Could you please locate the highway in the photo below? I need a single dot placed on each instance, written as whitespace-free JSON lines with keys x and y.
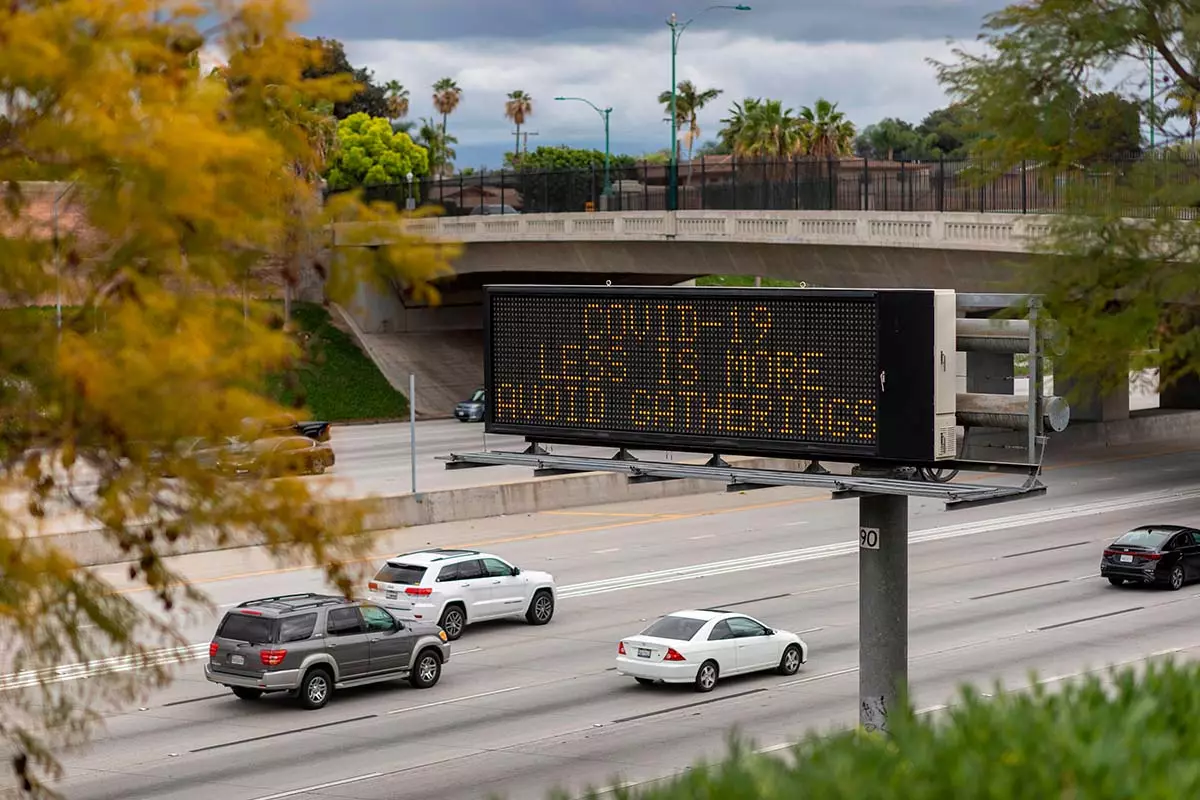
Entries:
{"x":995,"y":592}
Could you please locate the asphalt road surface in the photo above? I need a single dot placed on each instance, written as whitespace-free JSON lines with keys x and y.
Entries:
{"x":994,"y":592}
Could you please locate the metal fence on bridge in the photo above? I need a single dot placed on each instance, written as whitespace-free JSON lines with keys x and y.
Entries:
{"x":722,"y":183}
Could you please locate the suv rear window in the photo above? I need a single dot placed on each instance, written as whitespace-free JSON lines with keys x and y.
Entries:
{"x":681,"y":628}
{"x":407,"y":574}
{"x":245,"y":628}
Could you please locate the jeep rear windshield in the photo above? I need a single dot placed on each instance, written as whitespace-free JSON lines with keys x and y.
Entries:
{"x":246,"y":628}
{"x":406,"y":574}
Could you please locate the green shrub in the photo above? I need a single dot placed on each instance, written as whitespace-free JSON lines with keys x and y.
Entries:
{"x":1124,"y":738}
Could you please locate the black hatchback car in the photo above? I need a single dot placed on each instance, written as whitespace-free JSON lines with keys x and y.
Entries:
{"x":1159,"y":554}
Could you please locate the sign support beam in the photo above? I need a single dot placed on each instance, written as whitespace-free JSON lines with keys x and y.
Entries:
{"x":882,"y":607}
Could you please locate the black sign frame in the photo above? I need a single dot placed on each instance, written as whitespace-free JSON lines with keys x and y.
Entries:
{"x":905,"y":408}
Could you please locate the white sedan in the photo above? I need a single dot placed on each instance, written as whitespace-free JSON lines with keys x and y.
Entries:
{"x":702,"y":646}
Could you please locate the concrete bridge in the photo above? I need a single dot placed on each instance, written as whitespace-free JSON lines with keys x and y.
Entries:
{"x":442,"y":345}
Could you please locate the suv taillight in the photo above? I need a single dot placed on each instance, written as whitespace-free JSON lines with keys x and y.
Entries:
{"x":212,"y":649}
{"x":420,"y":591}
{"x":620,"y":648}
{"x":373,"y":586}
{"x":673,"y":655}
{"x":272,"y":658}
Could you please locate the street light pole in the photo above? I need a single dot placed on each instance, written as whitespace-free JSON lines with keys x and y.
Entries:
{"x":604,"y":114}
{"x":677,"y":31}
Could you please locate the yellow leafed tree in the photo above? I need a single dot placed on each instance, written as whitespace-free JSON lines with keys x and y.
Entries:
{"x":184,"y":179}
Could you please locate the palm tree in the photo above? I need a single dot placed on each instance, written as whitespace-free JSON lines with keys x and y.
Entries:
{"x":518,"y":107}
{"x":397,"y":100}
{"x":769,"y":131}
{"x":827,"y":132}
{"x":688,"y":103}
{"x":446,"y":96}
{"x":1187,"y":105}
{"x":736,"y":121}
{"x":430,"y":136}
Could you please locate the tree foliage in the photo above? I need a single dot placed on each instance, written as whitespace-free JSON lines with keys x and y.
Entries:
{"x":1116,"y":288}
{"x":181,"y":185}
{"x":370,"y":154}
{"x":1124,"y":737}
{"x":767,"y":129}
{"x":894,"y":138}
{"x":369,"y":97}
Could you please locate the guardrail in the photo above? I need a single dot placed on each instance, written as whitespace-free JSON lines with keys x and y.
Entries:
{"x":937,"y":231}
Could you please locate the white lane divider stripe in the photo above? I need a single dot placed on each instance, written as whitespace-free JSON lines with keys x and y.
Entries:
{"x":330,"y":785}
{"x":199,"y":650}
{"x":453,"y":700}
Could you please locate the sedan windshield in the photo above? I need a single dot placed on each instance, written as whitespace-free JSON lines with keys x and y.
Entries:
{"x":680,"y":628}
{"x":1152,"y":538}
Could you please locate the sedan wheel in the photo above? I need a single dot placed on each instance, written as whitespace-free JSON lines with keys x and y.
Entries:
{"x":706,"y":677}
{"x":1176,"y":579}
{"x":790,"y":663}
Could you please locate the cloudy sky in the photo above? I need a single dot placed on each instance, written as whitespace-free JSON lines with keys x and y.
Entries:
{"x":868,"y":55}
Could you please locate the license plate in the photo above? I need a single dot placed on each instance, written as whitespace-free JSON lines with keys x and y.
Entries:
{"x":390,"y":595}
{"x":1127,"y":559}
{"x":237,"y":660}
{"x":643,"y":652}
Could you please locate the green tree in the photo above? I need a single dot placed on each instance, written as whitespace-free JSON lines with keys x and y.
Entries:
{"x":370,"y":154}
{"x":768,"y":130}
{"x":731,"y":131}
{"x":689,"y":102}
{"x":447,"y":95}
{"x":183,"y":186}
{"x":1029,"y":745}
{"x":892,"y":137}
{"x":518,"y":107}
{"x":1123,"y":293}
{"x":826,"y":131}
{"x":561,"y":178}
{"x":951,"y":129}
{"x":1186,"y":106}
{"x":368,"y":98}
{"x":439,"y":144}
{"x":397,"y":100}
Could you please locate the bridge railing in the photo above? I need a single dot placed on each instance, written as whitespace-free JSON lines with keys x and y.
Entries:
{"x":723,"y":183}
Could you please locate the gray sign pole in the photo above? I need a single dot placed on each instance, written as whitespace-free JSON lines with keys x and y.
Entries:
{"x":412,"y":427}
{"x":882,"y":606}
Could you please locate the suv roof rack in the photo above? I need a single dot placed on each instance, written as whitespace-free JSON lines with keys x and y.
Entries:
{"x":442,"y":553}
{"x":300,"y":600}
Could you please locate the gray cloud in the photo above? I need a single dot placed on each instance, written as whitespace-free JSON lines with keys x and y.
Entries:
{"x":812,"y":21}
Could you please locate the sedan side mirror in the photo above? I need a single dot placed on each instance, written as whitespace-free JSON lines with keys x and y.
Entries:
{"x":770,"y":632}
{"x":516,"y":570}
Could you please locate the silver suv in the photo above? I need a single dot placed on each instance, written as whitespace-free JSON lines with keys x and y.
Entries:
{"x":308,"y":645}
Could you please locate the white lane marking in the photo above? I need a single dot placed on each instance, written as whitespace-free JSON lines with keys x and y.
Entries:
{"x":454,"y":700}
{"x":647,"y":579}
{"x":845,"y":548}
{"x":465,"y":652}
{"x":794,"y":524}
{"x":1167,"y":652}
{"x":820,"y":677}
{"x":810,"y":630}
{"x":609,"y":550}
{"x":775,"y":748}
{"x":330,"y":785}
{"x":930,"y":709}
{"x":704,"y":536}
{"x":27,"y":679}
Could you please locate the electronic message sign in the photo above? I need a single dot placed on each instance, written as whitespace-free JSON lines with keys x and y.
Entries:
{"x":804,"y":373}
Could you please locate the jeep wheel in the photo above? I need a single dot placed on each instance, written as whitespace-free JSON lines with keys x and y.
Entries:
{"x":316,"y":688}
{"x":453,"y":621}
{"x":541,"y":609}
{"x":244,"y":693}
{"x":427,"y":670}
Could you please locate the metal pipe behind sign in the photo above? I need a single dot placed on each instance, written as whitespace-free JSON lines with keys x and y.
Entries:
{"x":412,"y":427}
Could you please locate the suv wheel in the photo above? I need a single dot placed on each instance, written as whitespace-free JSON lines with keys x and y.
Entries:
{"x":244,"y":693}
{"x":316,"y":688}
{"x":541,"y":610}
{"x":453,"y":621}
{"x":427,"y":670}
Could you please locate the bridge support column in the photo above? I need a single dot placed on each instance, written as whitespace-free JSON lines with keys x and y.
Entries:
{"x":1090,"y":405}
{"x":1183,"y":393}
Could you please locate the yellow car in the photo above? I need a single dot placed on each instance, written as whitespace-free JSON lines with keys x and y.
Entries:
{"x":277,"y":456}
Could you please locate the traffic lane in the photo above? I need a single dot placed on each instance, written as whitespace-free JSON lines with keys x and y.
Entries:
{"x":602,"y":535}
{"x":1028,"y":549}
{"x":591,"y":743}
{"x":568,"y":654}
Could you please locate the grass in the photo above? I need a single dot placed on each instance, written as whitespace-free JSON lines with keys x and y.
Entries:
{"x":339,"y":382}
{"x":742,"y":280}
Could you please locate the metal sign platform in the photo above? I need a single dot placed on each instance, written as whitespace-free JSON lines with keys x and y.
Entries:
{"x":955,"y":495}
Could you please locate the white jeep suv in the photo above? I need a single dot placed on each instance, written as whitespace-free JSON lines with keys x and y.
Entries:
{"x":458,"y":587}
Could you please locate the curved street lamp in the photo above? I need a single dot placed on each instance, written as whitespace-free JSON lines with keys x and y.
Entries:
{"x":676,"y":31}
{"x":603,"y":112}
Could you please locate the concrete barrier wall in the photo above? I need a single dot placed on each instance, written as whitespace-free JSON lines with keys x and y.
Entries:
{"x":90,"y":548}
